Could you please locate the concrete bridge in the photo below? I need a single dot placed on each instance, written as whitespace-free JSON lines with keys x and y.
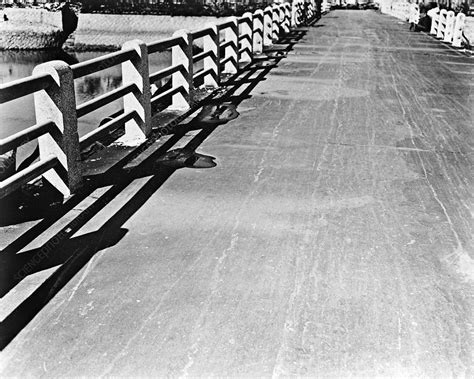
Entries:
{"x":331,"y":234}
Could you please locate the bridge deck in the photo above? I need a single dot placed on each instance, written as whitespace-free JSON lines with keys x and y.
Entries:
{"x":332,"y":238}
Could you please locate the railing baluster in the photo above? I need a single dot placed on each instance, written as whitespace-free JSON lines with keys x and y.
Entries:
{"x":183,"y":54}
{"x":448,"y":33}
{"x":231,"y":51}
{"x":281,"y":16}
{"x":135,"y":71}
{"x":287,"y":10}
{"x":247,"y":40}
{"x":275,"y":22}
{"x":212,"y":62}
{"x":58,"y":104}
{"x":258,"y":32}
{"x":458,"y":29}
{"x":268,"y":26}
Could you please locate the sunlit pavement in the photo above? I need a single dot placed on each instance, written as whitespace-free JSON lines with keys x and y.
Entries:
{"x":333,"y":238}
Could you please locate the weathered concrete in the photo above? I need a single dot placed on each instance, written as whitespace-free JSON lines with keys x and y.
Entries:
{"x":332,"y":239}
{"x":55,"y":104}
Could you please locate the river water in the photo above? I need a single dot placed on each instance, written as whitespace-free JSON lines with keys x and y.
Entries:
{"x":19,"y":114}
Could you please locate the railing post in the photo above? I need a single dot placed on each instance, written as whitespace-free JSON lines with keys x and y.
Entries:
{"x":441,"y":23}
{"x":282,"y":14}
{"x":325,"y":6}
{"x":258,"y":32}
{"x":231,"y":52}
{"x":434,"y":23}
{"x":247,"y":40}
{"x":275,"y":22}
{"x":295,"y":13}
{"x":211,"y":43}
{"x":58,"y":104}
{"x":458,"y":29}
{"x":182,"y":54}
{"x":448,"y":32}
{"x":267,"y":26}
{"x":287,"y":11}
{"x":136,"y":71}
{"x":309,"y":9}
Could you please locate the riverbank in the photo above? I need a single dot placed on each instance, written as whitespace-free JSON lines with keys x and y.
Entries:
{"x":31,"y":37}
{"x":94,"y":31}
{"x":30,"y":29}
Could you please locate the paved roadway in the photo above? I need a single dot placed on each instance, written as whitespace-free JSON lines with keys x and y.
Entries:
{"x":333,"y":238}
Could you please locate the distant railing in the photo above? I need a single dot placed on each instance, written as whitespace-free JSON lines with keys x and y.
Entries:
{"x":238,"y":39}
{"x":445,"y":25}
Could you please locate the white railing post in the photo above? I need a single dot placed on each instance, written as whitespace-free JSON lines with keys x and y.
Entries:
{"x":275,"y":22}
{"x":434,"y":22}
{"x":458,"y":29}
{"x":287,"y":13}
{"x":325,"y":7}
{"x":231,"y":52}
{"x":211,"y":44}
{"x":281,"y":19}
{"x":58,"y":104}
{"x":267,"y":26}
{"x":136,"y":71}
{"x":309,"y":10}
{"x":258,"y":29}
{"x":448,"y":32}
{"x":441,"y":23}
{"x":284,"y":27}
{"x":296,"y":14}
{"x":247,"y":41}
{"x":182,"y":54}
{"x":293,"y":22}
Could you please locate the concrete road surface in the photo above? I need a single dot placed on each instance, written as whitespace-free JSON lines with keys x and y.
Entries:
{"x":332,"y":239}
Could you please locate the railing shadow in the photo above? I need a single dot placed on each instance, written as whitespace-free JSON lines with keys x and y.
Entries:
{"x":72,"y":253}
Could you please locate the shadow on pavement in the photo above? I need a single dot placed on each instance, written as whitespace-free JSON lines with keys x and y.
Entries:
{"x":71,"y":253}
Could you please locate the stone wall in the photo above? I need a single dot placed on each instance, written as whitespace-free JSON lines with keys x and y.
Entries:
{"x":33,"y":16}
{"x":30,"y":39}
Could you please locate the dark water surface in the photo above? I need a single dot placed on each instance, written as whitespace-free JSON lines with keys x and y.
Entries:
{"x":19,"y":114}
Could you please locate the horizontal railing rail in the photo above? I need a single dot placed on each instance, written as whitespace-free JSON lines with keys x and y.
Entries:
{"x":164,"y":44}
{"x":107,"y":98}
{"x":23,"y":137}
{"x":101,"y":63}
{"x":167,"y":94}
{"x":106,"y":128}
{"x":166,"y":72}
{"x":17,"y":180}
{"x":23,"y":87}
{"x":226,"y":47}
{"x":199,"y":57}
{"x":202,"y":33}
{"x":224,"y":25}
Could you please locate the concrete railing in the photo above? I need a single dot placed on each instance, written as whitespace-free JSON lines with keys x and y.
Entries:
{"x":238,"y":39}
{"x":325,"y":6}
{"x":443,"y":17}
{"x":445,"y":25}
